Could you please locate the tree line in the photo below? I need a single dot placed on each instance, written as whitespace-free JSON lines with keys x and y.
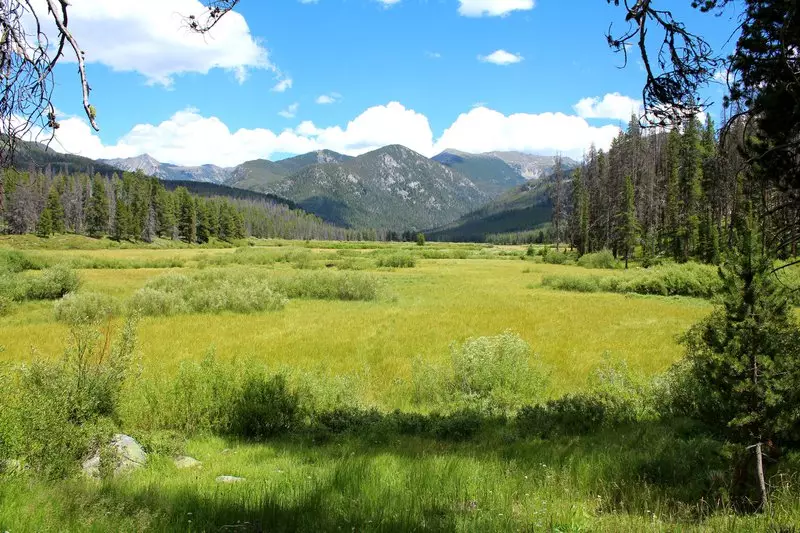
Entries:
{"x":671,"y":194}
{"x":131,"y":206}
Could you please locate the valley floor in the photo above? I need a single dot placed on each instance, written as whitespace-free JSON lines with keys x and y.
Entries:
{"x":643,"y":476}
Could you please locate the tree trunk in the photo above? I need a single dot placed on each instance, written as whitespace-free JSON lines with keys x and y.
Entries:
{"x":762,"y":485}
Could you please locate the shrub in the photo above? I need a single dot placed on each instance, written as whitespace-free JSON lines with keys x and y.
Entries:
{"x":495,"y":370}
{"x":420,"y":239}
{"x":572,"y":283}
{"x":6,"y":305}
{"x":577,"y":414}
{"x":556,"y":258}
{"x":346,"y":286}
{"x":444,"y":254}
{"x":58,"y":410}
{"x":51,"y":284}
{"x":84,"y":308}
{"x":265,"y":408}
{"x":15,"y":261}
{"x":397,"y":261}
{"x":603,"y":259}
{"x":688,"y":279}
{"x":458,"y":426}
{"x":207,"y":292}
{"x":152,"y":302}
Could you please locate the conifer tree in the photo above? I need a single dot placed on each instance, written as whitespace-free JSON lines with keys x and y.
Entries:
{"x":187,"y":215}
{"x":56,"y":211}
{"x":630,"y":224}
{"x":97,"y":213}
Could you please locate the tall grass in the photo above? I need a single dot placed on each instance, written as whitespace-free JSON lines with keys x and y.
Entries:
{"x":398,"y":260}
{"x":689,"y":279}
{"x":210,"y":291}
{"x":328,"y":285}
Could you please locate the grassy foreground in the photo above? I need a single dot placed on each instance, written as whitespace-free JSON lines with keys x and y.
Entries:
{"x":640,"y":476}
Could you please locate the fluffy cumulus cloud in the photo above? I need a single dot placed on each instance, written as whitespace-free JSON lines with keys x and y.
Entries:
{"x":190,"y":138}
{"x":150,"y":37}
{"x":501,"y":57}
{"x":492,"y":8}
{"x":611,"y":106}
{"x":485,"y":130}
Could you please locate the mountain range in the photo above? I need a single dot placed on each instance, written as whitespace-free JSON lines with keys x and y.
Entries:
{"x":464,"y":195}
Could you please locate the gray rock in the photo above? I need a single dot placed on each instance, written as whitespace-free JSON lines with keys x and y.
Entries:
{"x":229,"y":479}
{"x":184,"y":461}
{"x":12,"y":466}
{"x":126,"y":453}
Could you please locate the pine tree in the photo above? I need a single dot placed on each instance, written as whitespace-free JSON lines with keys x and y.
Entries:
{"x":187,"y":215}
{"x":630,"y":224}
{"x":122,"y":221}
{"x":204,"y":227}
{"x":55,"y":211}
{"x":45,"y":226}
{"x":691,"y":173}
{"x":745,"y":358}
{"x":97,"y":215}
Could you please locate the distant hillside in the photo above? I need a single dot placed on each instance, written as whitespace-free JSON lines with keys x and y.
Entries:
{"x":521,"y":209}
{"x":262,"y":175}
{"x":165,"y":171}
{"x":533,"y":167}
{"x":393,"y":187}
{"x":32,"y":155}
{"x":490,"y":174}
{"x":39,"y":157}
{"x":211,"y":190}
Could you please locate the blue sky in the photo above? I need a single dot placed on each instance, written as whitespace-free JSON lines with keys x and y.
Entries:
{"x":288,"y":76}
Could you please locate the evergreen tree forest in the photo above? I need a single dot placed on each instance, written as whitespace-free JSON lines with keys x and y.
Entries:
{"x":674,"y":194}
{"x":134,"y":207}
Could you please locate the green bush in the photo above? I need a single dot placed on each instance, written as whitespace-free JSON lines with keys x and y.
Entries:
{"x":210,"y":291}
{"x":55,"y":411}
{"x":397,"y":261}
{"x":78,"y":308}
{"x":458,"y":426}
{"x":153,"y":302}
{"x":14,"y":261}
{"x":570,"y":415}
{"x":51,"y":284}
{"x":572,"y":283}
{"x":265,"y":408}
{"x":603,"y":259}
{"x":198,"y":399}
{"x":444,"y":254}
{"x":690,"y":279}
{"x":348,"y":286}
{"x":6,"y":305}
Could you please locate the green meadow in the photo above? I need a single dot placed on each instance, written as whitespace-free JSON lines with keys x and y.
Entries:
{"x":397,"y":419}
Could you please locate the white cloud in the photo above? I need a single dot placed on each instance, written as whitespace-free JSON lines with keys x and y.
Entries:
{"x":501,"y":57}
{"x":485,"y":130}
{"x":433,"y":55}
{"x":283,"y":85}
{"x":290,"y":111}
{"x":388,"y":3}
{"x":493,"y":8}
{"x":611,"y":106}
{"x":150,"y":37}
{"x":191,"y":139}
{"x":331,"y":98}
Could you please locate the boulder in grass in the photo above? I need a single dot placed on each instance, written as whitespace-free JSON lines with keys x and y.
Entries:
{"x":229,"y":479}
{"x":184,"y":462}
{"x":126,"y":453}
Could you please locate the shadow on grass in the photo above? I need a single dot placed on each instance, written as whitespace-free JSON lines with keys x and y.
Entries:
{"x":633,"y":470}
